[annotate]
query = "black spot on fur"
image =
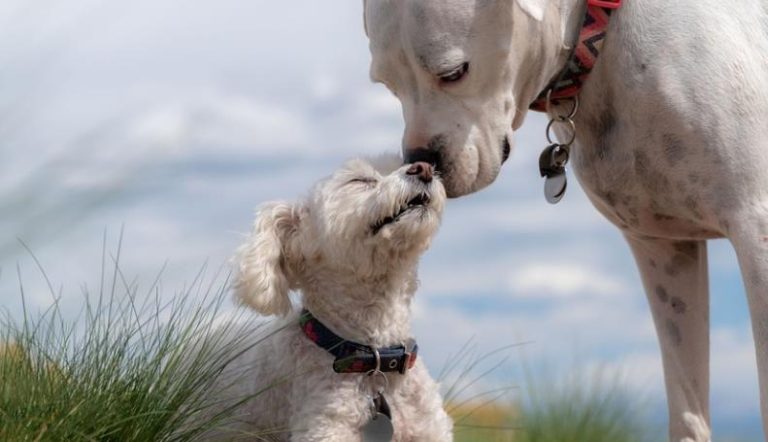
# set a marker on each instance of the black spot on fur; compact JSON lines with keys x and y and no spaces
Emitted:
{"x":651,"y":178}
{"x":676,"y":264}
{"x":673,"y":331}
{"x":663,"y":217}
{"x":693,"y":207}
{"x":652,"y":263}
{"x":661,"y":294}
{"x":674,"y":148}
{"x":603,"y":128}
{"x":678,"y":305}
{"x":687,"y":248}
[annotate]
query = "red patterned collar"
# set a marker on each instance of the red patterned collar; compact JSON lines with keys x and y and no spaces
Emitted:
{"x":568,"y":83}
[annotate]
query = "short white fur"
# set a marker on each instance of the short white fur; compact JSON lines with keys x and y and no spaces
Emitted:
{"x":671,"y":143}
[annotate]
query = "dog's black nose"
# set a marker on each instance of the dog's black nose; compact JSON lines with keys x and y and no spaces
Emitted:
{"x":421,"y":154}
{"x":422,"y":170}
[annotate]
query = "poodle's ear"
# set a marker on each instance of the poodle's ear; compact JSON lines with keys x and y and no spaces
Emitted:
{"x":263,"y":277}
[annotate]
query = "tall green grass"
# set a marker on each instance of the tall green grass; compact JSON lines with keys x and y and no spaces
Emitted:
{"x":130,"y":367}
{"x":585,"y":406}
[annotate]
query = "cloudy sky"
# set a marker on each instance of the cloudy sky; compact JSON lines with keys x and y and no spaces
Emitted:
{"x":175,"y":119}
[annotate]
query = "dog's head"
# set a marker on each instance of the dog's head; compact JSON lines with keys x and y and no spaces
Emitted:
{"x":369,"y":219}
{"x":465,"y":72}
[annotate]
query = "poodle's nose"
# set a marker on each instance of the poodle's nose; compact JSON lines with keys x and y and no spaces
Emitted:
{"x":422,"y":170}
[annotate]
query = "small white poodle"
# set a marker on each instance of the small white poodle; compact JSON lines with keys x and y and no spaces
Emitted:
{"x":345,"y":367}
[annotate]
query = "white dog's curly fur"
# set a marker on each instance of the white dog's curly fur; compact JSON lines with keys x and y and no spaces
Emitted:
{"x":356,"y":279}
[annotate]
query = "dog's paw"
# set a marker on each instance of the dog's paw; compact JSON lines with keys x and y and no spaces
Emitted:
{"x":697,"y":428}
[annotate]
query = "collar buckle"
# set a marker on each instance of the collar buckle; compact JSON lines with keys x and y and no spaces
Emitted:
{"x":406,"y":365}
{"x":410,"y":350}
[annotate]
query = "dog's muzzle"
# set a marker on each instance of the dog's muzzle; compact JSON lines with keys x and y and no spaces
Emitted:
{"x":424,"y":155}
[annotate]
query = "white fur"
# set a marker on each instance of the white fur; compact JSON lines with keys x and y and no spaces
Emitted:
{"x":671,"y":143}
{"x":357,"y":283}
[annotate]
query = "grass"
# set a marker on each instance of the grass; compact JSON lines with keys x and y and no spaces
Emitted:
{"x":583,"y":407}
{"x":590,"y":407}
{"x":132,"y":367}
{"x":129,"y":368}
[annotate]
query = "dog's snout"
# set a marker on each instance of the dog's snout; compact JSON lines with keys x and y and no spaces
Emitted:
{"x":422,"y":170}
{"x":421,"y":154}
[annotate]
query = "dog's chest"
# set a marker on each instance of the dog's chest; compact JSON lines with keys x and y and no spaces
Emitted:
{"x":645,"y":182}
{"x":653,"y":153}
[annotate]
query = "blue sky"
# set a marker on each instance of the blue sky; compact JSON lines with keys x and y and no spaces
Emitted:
{"x":179,"y":118}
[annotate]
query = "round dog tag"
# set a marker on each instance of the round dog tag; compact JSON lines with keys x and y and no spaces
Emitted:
{"x":378,"y":429}
{"x":554,"y":188}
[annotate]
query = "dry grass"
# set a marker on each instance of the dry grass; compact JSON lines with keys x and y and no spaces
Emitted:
{"x":480,"y":421}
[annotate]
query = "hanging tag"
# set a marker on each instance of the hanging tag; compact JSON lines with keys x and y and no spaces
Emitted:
{"x":554,"y":188}
{"x":552,"y":160}
{"x":552,"y":167}
{"x":379,"y":428}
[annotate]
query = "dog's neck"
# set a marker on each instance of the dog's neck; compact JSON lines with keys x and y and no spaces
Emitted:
{"x":551,"y":41}
{"x":375,"y":311}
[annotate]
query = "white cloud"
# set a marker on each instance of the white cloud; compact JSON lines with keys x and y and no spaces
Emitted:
{"x":165,"y":126}
{"x":560,"y":280}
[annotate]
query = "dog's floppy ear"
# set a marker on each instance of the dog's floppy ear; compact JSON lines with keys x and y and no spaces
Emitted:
{"x":263,"y":277}
{"x":534,"y":8}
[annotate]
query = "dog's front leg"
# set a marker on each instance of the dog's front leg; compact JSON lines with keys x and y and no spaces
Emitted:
{"x":674,"y":275}
{"x":328,"y":407}
{"x":750,"y":240}
{"x":323,"y":428}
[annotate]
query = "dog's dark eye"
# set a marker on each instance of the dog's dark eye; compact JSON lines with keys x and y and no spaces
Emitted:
{"x":362,"y":180}
{"x":455,"y":74}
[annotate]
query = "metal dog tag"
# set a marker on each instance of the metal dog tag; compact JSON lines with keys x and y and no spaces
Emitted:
{"x":379,"y":428}
{"x":554,"y":188}
{"x":552,"y":167}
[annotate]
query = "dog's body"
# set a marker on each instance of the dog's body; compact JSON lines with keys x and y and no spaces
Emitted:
{"x":351,"y":249}
{"x":671,"y":144}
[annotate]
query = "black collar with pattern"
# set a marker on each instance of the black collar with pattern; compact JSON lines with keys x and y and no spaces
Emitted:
{"x":352,"y":357}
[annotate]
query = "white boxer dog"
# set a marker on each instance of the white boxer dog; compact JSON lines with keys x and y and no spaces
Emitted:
{"x":671,"y":138}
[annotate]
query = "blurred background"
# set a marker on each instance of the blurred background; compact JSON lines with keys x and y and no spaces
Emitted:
{"x":172,"y":120}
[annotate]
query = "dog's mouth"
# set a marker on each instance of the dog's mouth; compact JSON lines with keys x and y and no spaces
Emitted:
{"x":417,"y":202}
